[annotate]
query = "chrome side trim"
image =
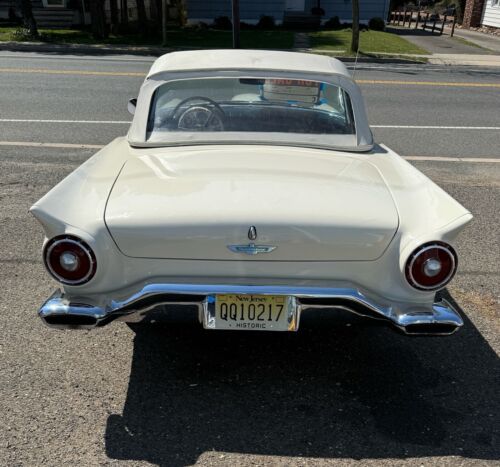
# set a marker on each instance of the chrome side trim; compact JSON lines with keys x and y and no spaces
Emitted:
{"x":251,"y":249}
{"x":411,"y":318}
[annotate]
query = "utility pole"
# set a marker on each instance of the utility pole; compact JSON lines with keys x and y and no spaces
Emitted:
{"x":164,"y":7}
{"x":355,"y":27}
{"x":236,"y":24}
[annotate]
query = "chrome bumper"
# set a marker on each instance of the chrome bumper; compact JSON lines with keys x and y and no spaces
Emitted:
{"x":437,"y":319}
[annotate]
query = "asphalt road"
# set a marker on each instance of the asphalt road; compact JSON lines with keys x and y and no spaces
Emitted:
{"x":101,"y":97}
{"x":334,"y":393}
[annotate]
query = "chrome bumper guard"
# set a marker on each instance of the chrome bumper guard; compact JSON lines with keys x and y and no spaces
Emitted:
{"x":437,"y":319}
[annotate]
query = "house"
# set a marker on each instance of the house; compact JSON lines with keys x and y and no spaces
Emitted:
{"x":64,"y":13}
{"x":47,"y":13}
{"x":482,"y":13}
{"x":67,"y":13}
{"x":252,"y":10}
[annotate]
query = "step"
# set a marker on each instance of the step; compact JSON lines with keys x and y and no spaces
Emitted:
{"x":52,"y":11}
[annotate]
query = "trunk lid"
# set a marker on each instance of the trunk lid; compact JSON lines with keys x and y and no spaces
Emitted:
{"x":201,"y":203}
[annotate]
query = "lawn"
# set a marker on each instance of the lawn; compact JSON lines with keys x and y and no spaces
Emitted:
{"x":179,"y":38}
{"x":370,"y":42}
{"x":176,"y":38}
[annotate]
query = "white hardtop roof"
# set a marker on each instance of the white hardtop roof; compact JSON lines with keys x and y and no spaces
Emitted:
{"x":249,"y":63}
{"x":230,"y":59}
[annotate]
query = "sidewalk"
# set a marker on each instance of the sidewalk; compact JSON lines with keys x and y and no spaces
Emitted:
{"x":464,"y":59}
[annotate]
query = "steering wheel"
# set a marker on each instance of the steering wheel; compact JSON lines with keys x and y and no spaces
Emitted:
{"x":199,"y":117}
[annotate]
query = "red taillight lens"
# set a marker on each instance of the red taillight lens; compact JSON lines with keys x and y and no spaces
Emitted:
{"x":70,"y":260}
{"x":431,"y":266}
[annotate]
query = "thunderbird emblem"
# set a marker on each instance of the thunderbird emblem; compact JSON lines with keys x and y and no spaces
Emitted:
{"x":251,"y":249}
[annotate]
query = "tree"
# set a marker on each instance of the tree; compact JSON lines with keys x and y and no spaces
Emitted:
{"x":164,"y":19}
{"x":142,"y":18}
{"x":29,"y":22}
{"x":124,"y":14}
{"x":98,"y":19}
{"x":156,"y":15}
{"x":355,"y":26}
{"x":113,"y":7}
{"x":180,"y":6}
{"x":236,"y":23}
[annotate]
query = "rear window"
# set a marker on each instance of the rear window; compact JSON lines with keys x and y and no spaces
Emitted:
{"x":259,"y":105}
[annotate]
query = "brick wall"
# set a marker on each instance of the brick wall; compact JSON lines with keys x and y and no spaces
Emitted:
{"x":472,"y":13}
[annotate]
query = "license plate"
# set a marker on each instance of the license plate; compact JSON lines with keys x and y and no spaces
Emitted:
{"x":251,"y":313}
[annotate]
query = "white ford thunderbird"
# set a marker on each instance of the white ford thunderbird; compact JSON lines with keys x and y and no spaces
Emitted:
{"x":249,"y":189}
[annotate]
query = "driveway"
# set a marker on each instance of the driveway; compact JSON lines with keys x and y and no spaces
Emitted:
{"x":436,"y":44}
{"x":488,"y":41}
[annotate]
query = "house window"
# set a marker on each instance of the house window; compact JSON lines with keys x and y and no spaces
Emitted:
{"x":494,"y":2}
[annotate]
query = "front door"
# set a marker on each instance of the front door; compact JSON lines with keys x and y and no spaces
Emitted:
{"x":295,"y":5}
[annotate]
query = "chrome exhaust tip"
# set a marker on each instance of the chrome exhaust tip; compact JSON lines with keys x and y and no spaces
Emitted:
{"x":67,"y":321}
{"x":443,"y":320}
{"x":59,"y":313}
{"x":430,"y":329}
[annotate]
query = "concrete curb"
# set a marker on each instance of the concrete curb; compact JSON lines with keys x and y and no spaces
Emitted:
{"x":87,"y":49}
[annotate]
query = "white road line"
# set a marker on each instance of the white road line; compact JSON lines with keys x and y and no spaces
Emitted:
{"x":28,"y":144}
{"x":484,"y":160}
{"x":436,"y":127}
{"x":422,"y":67}
{"x":25,"y":120}
{"x":112,"y":58}
{"x":487,"y":160}
{"x":126,"y":122}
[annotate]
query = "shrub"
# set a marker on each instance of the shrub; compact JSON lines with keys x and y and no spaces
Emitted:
{"x":222,"y":22}
{"x":246,"y":26}
{"x":317,"y":11}
{"x":199,"y":26}
{"x":362,"y":26}
{"x":376,"y":24}
{"x":333,"y":23}
{"x":266,"y":22}
{"x":23,"y":34}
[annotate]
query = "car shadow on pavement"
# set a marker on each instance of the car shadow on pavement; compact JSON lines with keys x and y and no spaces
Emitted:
{"x":332,"y":390}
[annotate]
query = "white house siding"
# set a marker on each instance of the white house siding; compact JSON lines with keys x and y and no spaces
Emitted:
{"x":367,"y":9}
{"x":491,"y":14}
{"x":250,"y":10}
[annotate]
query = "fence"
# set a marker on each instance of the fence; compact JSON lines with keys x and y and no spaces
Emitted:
{"x":426,"y":20}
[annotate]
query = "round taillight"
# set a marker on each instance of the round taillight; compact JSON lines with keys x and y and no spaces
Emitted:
{"x":70,"y":260}
{"x":431,"y":266}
